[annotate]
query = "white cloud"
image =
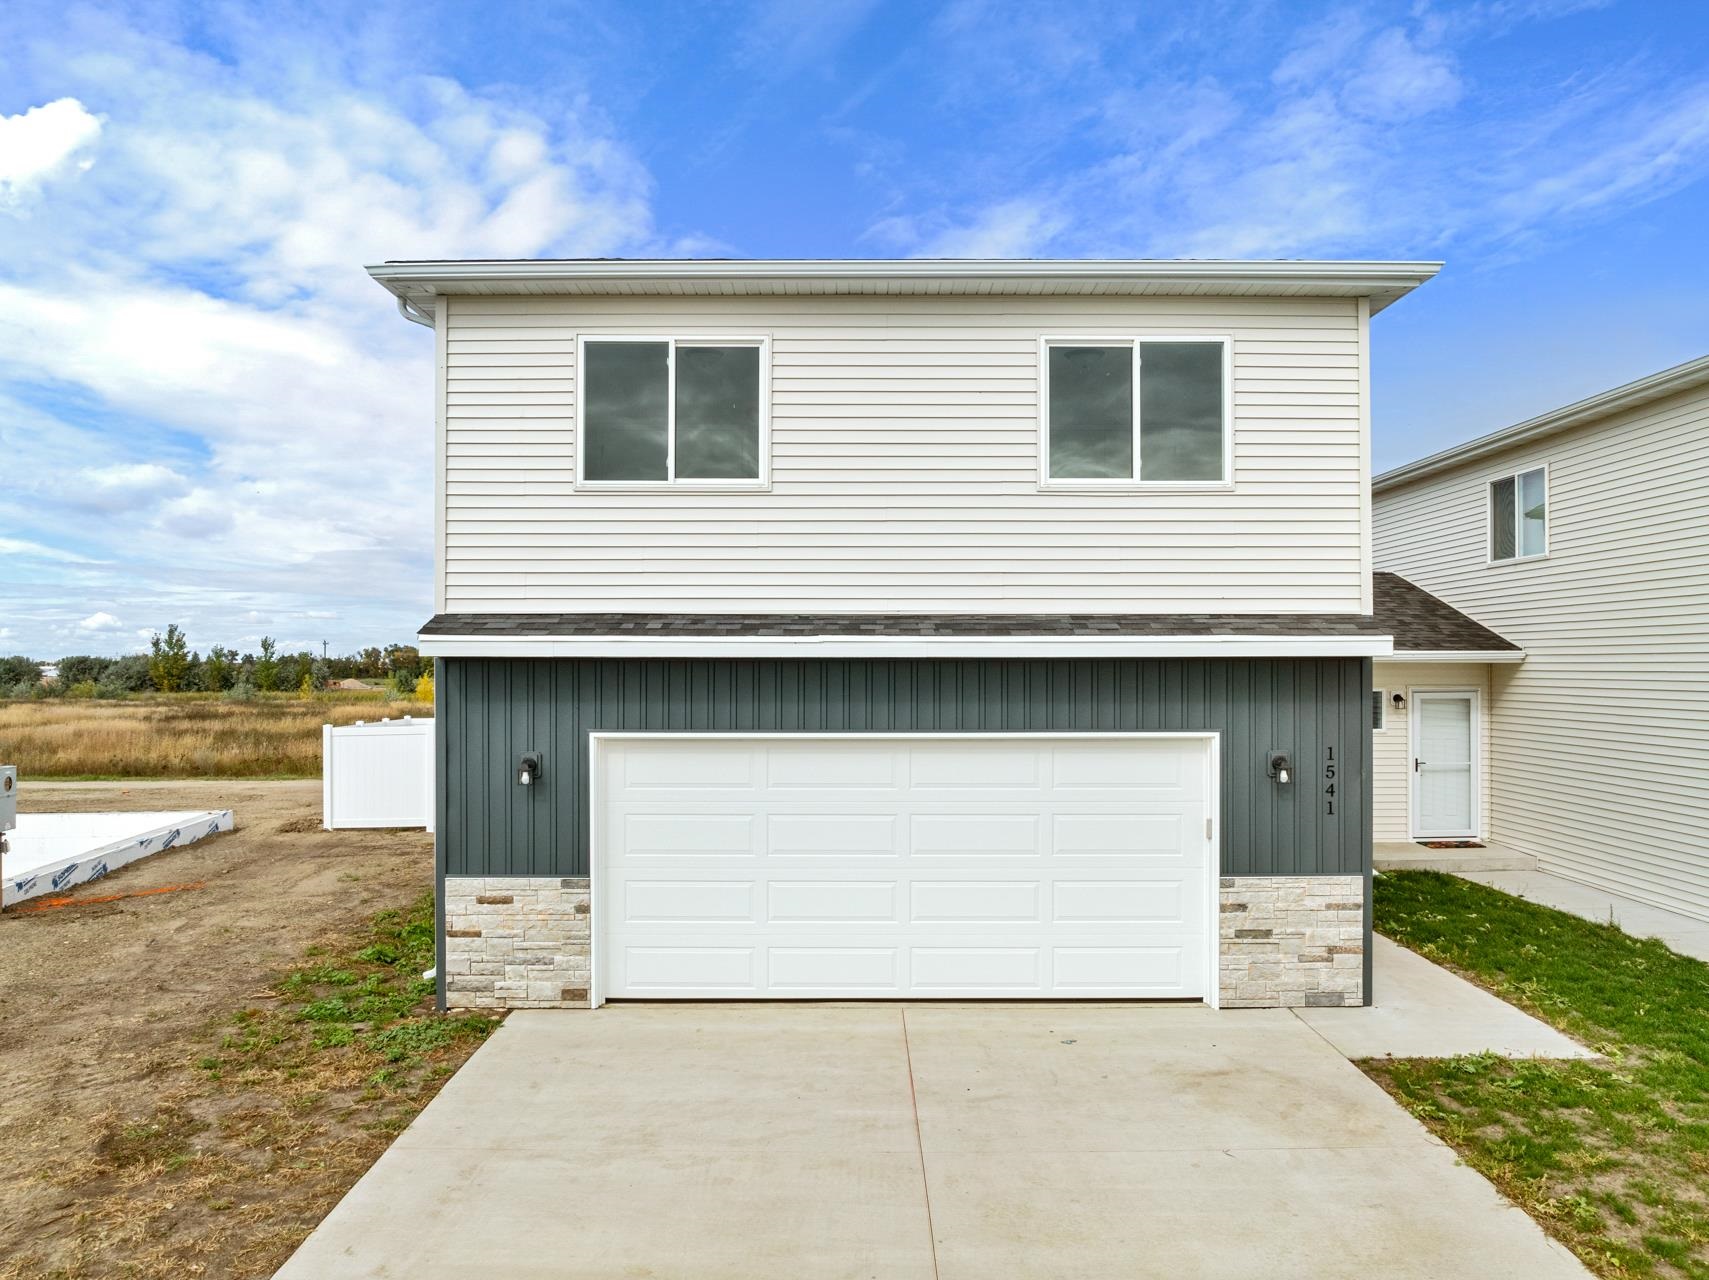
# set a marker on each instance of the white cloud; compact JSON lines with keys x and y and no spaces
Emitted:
{"x":39,"y":142}
{"x":239,"y":427}
{"x":101,"y":621}
{"x":1362,"y":140}
{"x":1011,"y":229}
{"x":39,"y":551}
{"x":1398,"y":79}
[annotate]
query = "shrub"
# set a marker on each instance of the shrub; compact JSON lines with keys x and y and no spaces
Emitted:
{"x":127,"y":675}
{"x":18,"y":670}
{"x":403,"y":681}
{"x":169,"y":659}
{"x":82,"y":689}
{"x":424,"y":689}
{"x":82,"y":668}
{"x":242,"y":691}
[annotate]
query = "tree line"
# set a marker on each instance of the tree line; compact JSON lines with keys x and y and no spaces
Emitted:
{"x":171,"y":666}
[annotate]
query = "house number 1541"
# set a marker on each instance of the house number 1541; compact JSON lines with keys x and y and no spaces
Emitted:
{"x":1329,"y":781}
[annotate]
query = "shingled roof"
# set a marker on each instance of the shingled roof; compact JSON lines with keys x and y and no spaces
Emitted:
{"x":1417,"y":620}
{"x":1420,"y":623}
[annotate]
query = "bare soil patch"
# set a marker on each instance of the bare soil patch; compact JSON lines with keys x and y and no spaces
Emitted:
{"x":171,"y":1110}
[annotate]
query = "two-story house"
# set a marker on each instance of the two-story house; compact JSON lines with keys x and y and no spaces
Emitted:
{"x":906,"y":629}
{"x":1579,"y":536}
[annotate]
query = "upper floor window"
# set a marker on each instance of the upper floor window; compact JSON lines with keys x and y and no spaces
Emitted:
{"x":1125,"y":411}
{"x":683,"y":411}
{"x":1519,"y":515}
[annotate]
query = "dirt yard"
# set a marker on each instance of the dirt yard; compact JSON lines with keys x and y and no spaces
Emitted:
{"x":144,"y":1137}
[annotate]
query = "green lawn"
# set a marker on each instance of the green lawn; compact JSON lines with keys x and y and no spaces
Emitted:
{"x":1611,"y":1156}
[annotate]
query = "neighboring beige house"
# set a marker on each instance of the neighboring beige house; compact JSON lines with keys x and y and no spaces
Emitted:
{"x":1582,"y":536}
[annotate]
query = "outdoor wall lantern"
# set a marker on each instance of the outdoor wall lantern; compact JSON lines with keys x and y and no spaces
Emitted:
{"x":529,"y":769}
{"x":1281,"y":768}
{"x":1399,"y":700}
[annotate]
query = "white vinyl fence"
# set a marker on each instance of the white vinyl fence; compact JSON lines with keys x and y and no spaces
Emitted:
{"x":377,"y":774}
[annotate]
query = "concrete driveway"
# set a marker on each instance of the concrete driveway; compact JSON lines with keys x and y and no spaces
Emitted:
{"x":918,"y":1141}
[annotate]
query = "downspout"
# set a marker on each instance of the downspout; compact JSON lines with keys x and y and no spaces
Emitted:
{"x":409,"y":311}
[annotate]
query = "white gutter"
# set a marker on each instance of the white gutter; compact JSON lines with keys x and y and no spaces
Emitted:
{"x":410,"y":311}
{"x":1456,"y":655}
{"x":477,"y":646}
{"x":1682,"y":377}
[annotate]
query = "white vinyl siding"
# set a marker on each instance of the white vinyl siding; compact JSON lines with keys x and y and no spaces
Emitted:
{"x":904,"y":465}
{"x":1599,"y":737}
{"x":1391,"y":751}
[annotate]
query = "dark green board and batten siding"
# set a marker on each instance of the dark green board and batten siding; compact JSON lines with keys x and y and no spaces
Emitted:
{"x":492,"y":710}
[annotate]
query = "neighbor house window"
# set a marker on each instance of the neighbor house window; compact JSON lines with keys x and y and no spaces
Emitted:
{"x":672,"y":411}
{"x":1135,"y":410}
{"x":1519,"y":515}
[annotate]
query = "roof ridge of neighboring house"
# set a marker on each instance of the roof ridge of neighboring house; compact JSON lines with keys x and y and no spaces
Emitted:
{"x":1677,"y":378}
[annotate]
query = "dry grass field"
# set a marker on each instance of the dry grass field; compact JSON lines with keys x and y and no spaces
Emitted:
{"x":181,"y":735}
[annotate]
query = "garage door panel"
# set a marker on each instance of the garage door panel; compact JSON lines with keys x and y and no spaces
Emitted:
{"x":1130,"y":836}
{"x":977,"y":834}
{"x":866,"y":970}
{"x":974,"y":901}
{"x":1142,"y":772}
{"x":819,"y":869}
{"x":853,"y":767}
{"x":690,"y":970}
{"x":1010,"y":969}
{"x":818,"y":835}
{"x":975,"y":766}
{"x":1117,"y":968}
{"x":687,"y":901}
{"x":679,"y":766}
{"x":832,"y":902}
{"x":686,"y":834}
{"x":1123,"y":902}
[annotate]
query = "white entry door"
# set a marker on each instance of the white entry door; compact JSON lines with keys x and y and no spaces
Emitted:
{"x":1444,"y":765}
{"x":861,"y":866}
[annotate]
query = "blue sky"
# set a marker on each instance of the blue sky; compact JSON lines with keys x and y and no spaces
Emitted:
{"x":209,"y":415}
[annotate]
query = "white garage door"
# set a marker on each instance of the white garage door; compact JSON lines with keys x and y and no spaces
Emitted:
{"x":904,"y":867}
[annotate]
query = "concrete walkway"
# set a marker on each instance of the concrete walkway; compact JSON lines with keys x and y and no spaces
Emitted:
{"x":1423,"y":1011}
{"x":1684,"y":934}
{"x":919,"y":1142}
{"x":1411,"y":855}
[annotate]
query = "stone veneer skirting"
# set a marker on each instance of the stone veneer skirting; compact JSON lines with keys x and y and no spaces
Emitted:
{"x":523,"y":942}
{"x":1292,"y":940}
{"x":517,"y":942}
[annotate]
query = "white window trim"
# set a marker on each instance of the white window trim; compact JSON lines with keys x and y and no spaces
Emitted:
{"x":671,"y":483}
{"x":1134,"y":484}
{"x":1489,"y":515}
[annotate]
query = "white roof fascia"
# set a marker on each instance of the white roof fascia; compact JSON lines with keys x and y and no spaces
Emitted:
{"x":1383,"y":282}
{"x":1279,"y":646}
